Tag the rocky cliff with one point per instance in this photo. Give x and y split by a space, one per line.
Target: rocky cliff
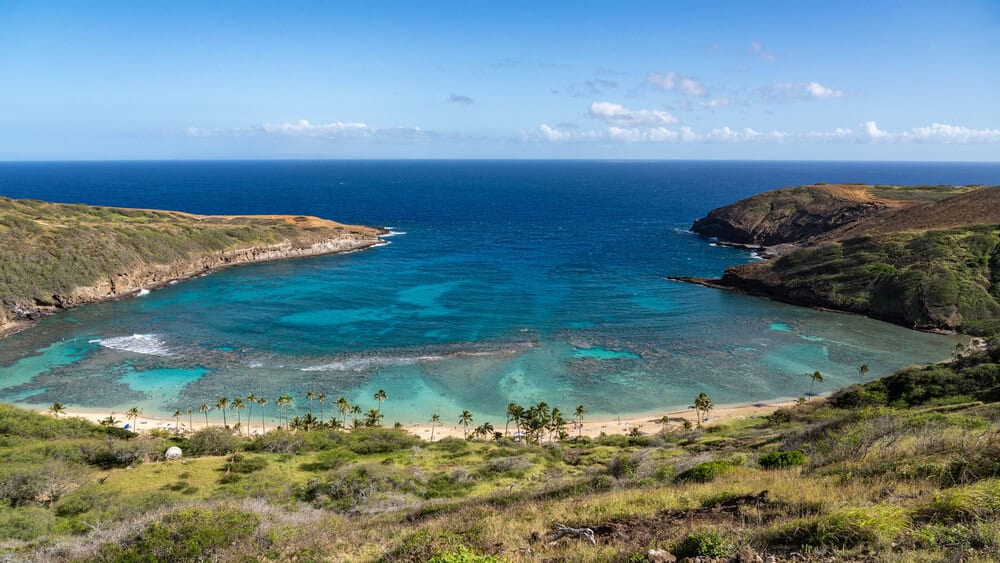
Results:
56 256
928 258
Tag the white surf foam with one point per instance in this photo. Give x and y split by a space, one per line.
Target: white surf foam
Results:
142 292
361 364
148 344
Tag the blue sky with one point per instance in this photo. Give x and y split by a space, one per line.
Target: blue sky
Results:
865 80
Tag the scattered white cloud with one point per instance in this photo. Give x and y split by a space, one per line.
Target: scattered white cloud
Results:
562 134
866 133
933 133
303 128
461 100
715 103
790 91
758 49
618 115
672 81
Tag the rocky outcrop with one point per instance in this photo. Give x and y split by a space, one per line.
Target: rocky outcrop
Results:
790 215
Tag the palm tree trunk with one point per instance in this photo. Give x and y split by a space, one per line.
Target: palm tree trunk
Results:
224 423
206 419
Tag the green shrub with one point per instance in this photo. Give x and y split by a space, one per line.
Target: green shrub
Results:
973 502
705 472
212 441
25 524
192 534
462 554
278 441
782 459
382 440
709 543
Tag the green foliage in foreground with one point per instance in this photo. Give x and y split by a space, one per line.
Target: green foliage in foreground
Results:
906 476
948 278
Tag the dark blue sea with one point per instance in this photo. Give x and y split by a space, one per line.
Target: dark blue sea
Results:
505 281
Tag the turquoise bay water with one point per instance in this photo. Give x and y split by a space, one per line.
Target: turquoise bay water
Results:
513 281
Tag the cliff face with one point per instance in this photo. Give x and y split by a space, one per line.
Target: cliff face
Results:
791 215
54 257
923 264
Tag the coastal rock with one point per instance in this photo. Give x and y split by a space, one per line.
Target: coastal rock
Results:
790 215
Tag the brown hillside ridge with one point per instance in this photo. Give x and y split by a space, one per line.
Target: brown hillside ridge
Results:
799 214
58 256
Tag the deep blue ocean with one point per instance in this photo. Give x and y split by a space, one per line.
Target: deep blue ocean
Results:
507 281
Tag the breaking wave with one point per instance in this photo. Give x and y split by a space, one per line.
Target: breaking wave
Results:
148 344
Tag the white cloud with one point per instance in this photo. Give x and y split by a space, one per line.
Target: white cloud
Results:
788 91
636 135
716 103
758 49
618 115
873 132
942 133
933 133
303 128
686 85
561 134
727 135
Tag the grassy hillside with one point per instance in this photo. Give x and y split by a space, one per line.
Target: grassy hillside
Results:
933 279
901 469
48 250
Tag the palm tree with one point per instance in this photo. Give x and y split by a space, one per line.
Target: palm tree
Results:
251 399
664 423
380 396
815 378
284 402
862 372
435 419
373 418
190 419
322 399
110 420
262 401
205 409
344 407
133 414
177 420
516 413
702 403
580 411
510 416
238 405
309 397
465 420
555 420
222 404
57 409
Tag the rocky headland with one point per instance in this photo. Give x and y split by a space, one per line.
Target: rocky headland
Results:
926 257
58 256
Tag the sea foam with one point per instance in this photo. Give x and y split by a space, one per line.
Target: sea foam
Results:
148 344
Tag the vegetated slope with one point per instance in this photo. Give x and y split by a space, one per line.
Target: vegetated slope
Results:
898 469
55 256
947 279
930 260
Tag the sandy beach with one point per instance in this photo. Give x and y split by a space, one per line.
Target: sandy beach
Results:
647 423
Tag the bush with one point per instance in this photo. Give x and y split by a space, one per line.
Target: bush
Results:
185 535
511 464
705 472
622 467
212 441
704 544
278 441
240 463
382 440
782 459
